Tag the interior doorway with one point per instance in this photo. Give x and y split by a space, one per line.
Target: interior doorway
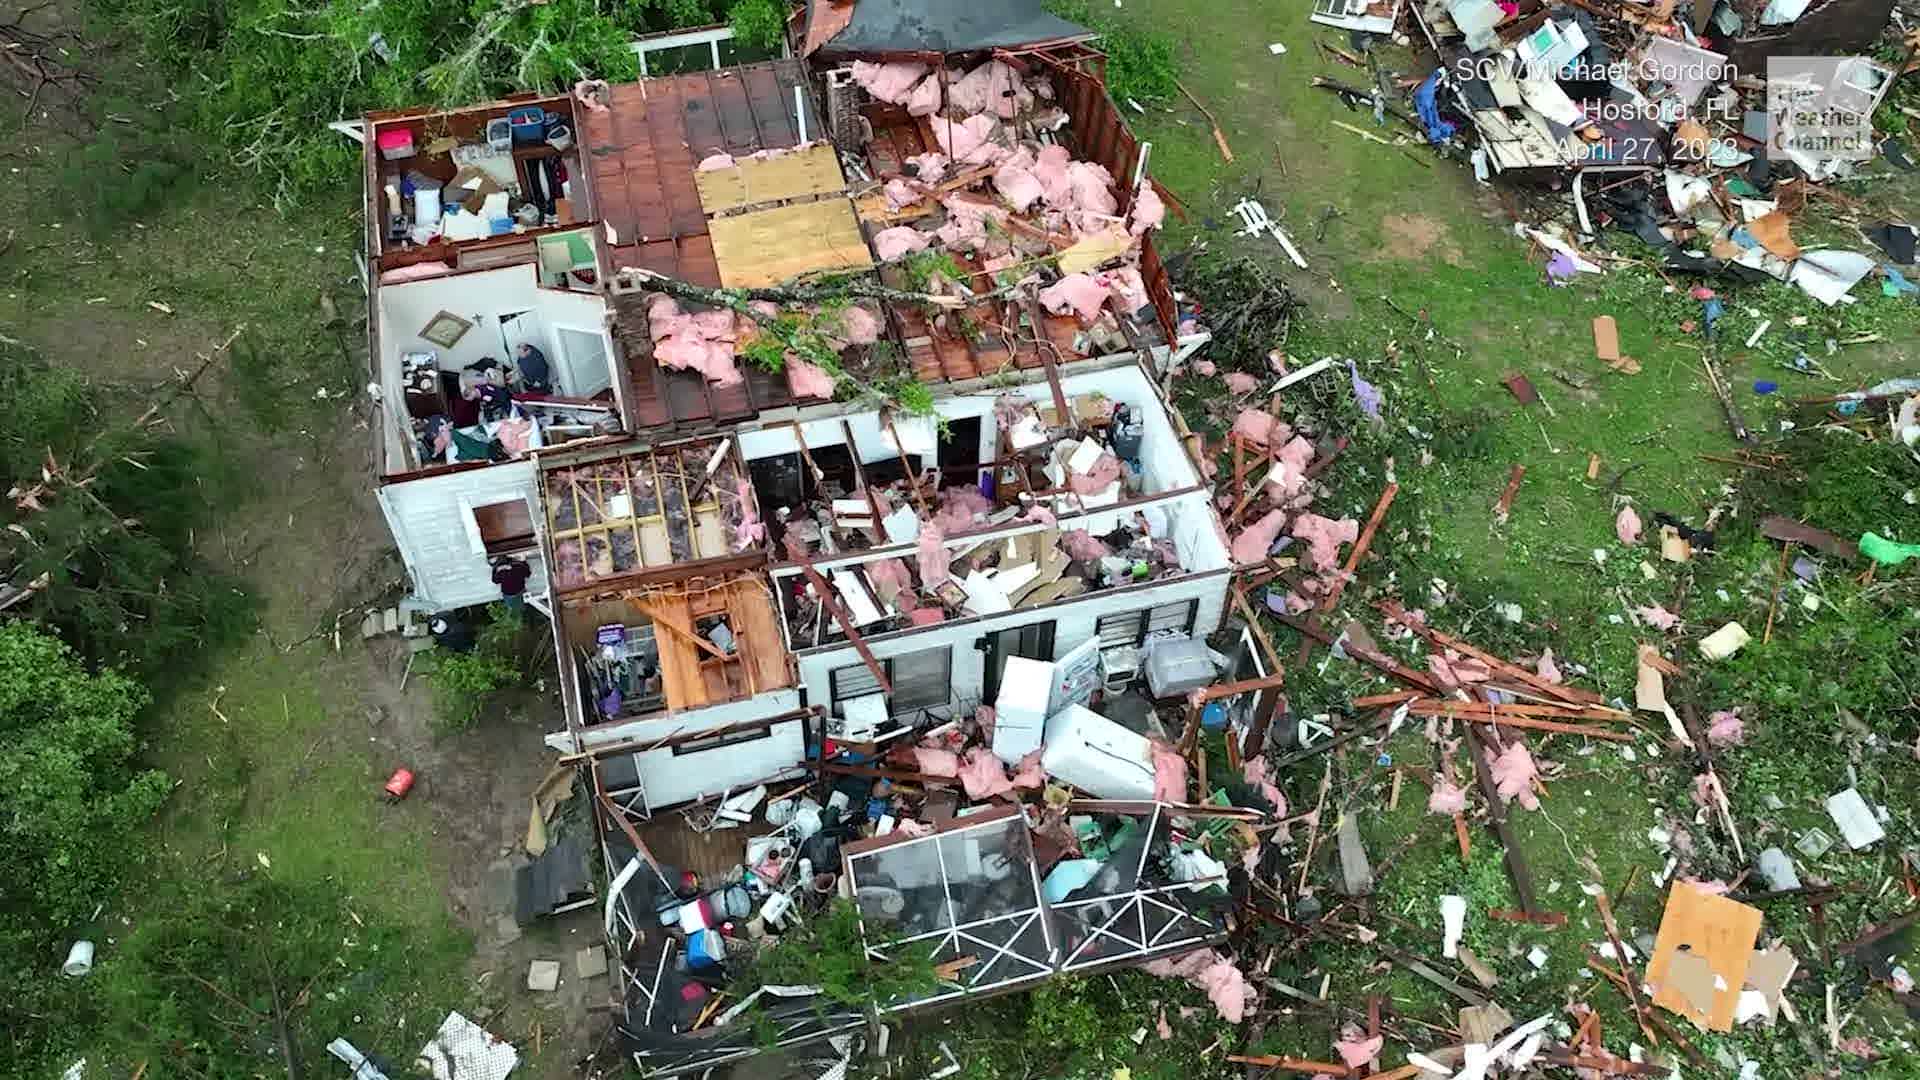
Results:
1033 641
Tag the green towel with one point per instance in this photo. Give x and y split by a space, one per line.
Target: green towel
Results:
1887 552
468 448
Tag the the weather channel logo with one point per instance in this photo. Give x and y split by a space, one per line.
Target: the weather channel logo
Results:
1821 106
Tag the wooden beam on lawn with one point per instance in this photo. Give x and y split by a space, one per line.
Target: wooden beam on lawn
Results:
1378 660
1360 547
1570 694
1517 868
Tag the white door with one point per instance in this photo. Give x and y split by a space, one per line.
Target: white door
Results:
583 366
520 328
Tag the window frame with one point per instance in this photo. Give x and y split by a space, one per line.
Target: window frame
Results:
1142 623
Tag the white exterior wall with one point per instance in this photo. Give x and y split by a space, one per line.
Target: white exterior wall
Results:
1074 623
434 530
669 778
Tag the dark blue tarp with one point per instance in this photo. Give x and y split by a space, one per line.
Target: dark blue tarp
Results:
896 26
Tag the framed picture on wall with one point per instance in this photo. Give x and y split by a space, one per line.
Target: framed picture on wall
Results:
445 329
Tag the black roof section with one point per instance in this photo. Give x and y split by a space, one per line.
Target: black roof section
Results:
895 26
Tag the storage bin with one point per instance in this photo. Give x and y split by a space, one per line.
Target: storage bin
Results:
1175 667
529 124
500 134
395 143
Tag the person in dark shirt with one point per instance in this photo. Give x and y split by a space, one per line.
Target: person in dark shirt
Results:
511 575
536 375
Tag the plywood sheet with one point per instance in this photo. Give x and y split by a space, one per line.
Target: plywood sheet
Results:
767 247
1701 954
813 171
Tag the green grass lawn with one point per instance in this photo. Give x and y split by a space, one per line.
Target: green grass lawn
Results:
1431 240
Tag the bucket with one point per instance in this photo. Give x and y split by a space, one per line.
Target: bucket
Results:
79 960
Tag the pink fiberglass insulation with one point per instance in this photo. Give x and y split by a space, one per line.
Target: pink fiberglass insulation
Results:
1130 289
1627 526
892 583
859 326
891 83
1294 457
1257 775
1513 773
700 342
1261 428
1092 187
933 556
1050 168
1015 182
749 530
966 228
924 98
1028 773
967 141
1658 617
1227 989
807 379
960 508
1455 670
929 167
936 762
900 240
1254 541
992 87
1148 211
1725 728
901 194
1213 973
1106 469
1323 537
715 162
1078 293
1357 1050
1547 669
1084 546
1447 798
1169 773
1239 383
982 774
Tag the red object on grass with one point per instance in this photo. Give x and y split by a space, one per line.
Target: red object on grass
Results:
400 783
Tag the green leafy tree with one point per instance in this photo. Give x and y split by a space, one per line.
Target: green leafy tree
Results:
72 804
464 682
73 799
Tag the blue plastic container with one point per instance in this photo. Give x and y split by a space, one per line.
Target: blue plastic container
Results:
529 124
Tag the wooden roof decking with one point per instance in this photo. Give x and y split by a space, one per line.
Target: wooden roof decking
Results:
641 152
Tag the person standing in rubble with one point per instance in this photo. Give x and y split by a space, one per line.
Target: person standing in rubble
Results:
511 575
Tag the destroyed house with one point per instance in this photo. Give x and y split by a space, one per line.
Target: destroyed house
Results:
763 575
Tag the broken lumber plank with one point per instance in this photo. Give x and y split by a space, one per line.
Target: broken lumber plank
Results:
1219 137
1517 869
1570 694
1377 660
1496 718
1420 706
1505 506
1538 918
1360 547
1275 1061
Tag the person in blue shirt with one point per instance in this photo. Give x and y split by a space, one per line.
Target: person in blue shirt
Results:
536 375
